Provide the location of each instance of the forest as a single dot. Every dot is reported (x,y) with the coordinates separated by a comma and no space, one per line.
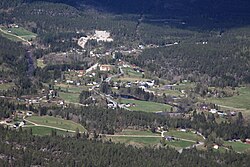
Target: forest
(22,149)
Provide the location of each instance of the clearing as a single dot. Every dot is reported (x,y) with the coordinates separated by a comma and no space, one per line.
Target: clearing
(56,123)
(184,135)
(136,137)
(240,102)
(238,146)
(45,131)
(146,106)
(6,86)
(70,97)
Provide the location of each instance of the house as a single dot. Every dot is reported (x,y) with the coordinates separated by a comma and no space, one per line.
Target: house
(216,147)
(8,120)
(233,113)
(29,114)
(213,111)
(105,67)
(248,141)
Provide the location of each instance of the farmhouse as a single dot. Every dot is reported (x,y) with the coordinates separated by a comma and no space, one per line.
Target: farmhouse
(213,111)
(105,67)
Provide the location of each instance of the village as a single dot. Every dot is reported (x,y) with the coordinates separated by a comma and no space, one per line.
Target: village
(113,82)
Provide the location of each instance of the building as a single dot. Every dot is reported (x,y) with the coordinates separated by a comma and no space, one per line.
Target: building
(105,67)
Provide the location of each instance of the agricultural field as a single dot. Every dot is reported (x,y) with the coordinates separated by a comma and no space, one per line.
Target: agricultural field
(70,88)
(185,86)
(146,106)
(132,73)
(45,131)
(137,141)
(17,34)
(21,32)
(6,86)
(69,97)
(10,36)
(240,102)
(129,79)
(136,137)
(238,146)
(179,144)
(40,63)
(167,92)
(56,122)
(138,132)
(184,135)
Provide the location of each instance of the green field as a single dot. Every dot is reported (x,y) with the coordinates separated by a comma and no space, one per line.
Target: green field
(6,86)
(10,36)
(168,92)
(44,131)
(71,88)
(14,34)
(70,97)
(132,73)
(138,132)
(184,86)
(146,106)
(238,146)
(56,122)
(21,32)
(184,135)
(240,102)
(40,63)
(138,141)
(179,144)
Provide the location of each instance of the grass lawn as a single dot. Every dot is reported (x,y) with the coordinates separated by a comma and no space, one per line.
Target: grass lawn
(71,88)
(22,33)
(129,79)
(241,101)
(6,86)
(138,141)
(132,73)
(40,63)
(184,135)
(146,106)
(10,36)
(138,132)
(168,92)
(183,86)
(70,97)
(180,144)
(56,122)
(238,146)
(44,131)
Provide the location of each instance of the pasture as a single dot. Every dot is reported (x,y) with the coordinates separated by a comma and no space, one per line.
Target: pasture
(146,106)
(55,122)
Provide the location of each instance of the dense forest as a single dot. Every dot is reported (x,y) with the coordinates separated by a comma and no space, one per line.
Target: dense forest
(219,63)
